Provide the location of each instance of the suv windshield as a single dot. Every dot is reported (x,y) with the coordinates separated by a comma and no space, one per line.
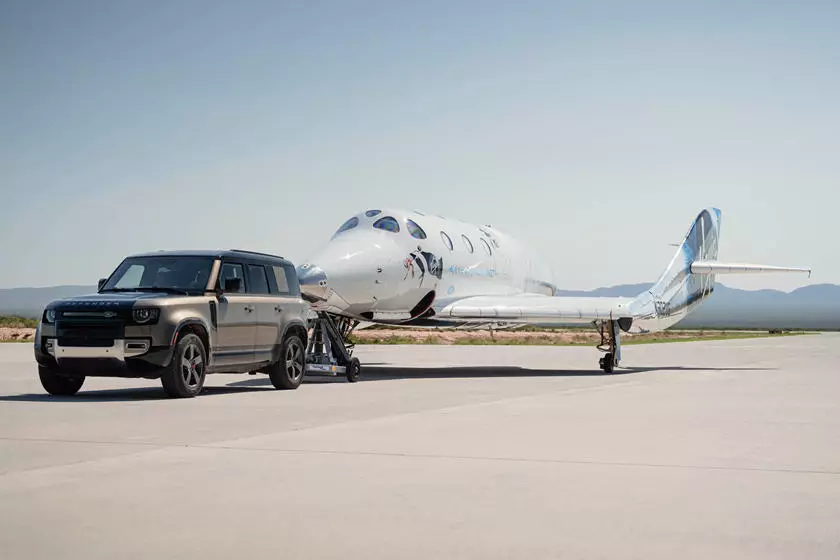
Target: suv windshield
(165,273)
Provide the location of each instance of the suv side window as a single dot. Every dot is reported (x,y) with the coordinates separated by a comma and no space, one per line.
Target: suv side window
(280,278)
(292,280)
(286,281)
(257,281)
(232,270)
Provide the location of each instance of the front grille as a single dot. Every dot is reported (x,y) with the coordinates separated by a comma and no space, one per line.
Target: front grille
(88,333)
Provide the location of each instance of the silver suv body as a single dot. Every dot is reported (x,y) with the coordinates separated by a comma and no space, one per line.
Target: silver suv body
(178,316)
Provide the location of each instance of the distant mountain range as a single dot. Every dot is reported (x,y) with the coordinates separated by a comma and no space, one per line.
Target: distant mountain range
(809,307)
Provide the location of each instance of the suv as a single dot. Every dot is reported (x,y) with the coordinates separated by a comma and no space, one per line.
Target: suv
(177,316)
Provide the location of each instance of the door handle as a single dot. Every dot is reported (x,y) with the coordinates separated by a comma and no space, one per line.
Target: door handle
(278,309)
(249,308)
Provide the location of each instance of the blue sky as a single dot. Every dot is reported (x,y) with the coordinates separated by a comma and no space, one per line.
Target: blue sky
(593,132)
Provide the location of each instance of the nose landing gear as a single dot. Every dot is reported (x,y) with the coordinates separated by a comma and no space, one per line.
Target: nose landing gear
(610,344)
(328,352)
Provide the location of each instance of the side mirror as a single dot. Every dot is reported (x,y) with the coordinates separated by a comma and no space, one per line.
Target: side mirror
(232,284)
(101,284)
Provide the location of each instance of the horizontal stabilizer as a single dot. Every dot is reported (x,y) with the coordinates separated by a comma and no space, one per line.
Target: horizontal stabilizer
(715,267)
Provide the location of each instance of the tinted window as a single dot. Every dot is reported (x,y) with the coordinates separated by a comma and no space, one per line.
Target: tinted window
(166,271)
(415,230)
(257,281)
(349,224)
(388,224)
(486,247)
(446,240)
(232,270)
(372,213)
(467,243)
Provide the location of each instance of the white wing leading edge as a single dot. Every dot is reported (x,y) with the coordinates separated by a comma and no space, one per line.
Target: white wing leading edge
(536,309)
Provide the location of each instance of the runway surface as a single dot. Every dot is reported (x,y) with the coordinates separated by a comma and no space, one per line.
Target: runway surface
(700,450)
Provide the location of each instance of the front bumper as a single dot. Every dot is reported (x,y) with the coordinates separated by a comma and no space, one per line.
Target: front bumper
(125,358)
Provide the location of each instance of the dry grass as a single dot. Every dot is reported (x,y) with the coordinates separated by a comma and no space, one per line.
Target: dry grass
(534,337)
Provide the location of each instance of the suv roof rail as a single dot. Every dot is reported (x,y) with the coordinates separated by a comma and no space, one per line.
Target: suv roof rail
(257,253)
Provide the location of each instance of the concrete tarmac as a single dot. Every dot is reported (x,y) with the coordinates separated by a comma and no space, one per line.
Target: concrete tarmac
(705,450)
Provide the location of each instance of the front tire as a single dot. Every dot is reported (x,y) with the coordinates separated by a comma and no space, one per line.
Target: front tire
(287,372)
(354,370)
(185,374)
(56,384)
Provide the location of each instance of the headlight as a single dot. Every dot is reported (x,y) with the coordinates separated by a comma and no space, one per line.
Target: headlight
(49,316)
(145,315)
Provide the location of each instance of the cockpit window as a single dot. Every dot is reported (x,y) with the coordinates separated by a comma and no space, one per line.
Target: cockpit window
(415,230)
(372,213)
(349,224)
(388,224)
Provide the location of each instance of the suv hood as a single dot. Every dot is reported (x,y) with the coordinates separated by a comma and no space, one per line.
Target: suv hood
(109,300)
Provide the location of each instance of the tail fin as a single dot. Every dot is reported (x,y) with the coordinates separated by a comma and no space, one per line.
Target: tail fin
(690,276)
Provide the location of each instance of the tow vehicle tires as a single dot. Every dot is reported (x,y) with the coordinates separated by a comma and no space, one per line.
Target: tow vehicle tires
(56,384)
(287,372)
(607,363)
(184,377)
(354,370)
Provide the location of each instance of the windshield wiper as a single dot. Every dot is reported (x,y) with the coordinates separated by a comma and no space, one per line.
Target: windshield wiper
(118,290)
(165,289)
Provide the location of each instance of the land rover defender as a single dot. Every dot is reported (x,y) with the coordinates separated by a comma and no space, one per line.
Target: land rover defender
(178,316)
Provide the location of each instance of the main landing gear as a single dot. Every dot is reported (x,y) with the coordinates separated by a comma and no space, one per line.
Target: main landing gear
(610,344)
(328,352)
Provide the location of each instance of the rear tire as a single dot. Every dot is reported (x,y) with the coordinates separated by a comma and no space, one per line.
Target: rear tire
(56,384)
(354,370)
(287,372)
(185,374)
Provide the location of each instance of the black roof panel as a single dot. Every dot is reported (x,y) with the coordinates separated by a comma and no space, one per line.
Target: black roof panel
(217,253)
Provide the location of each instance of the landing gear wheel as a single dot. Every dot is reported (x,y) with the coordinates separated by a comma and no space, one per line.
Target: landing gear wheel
(57,384)
(184,376)
(354,370)
(287,372)
(606,363)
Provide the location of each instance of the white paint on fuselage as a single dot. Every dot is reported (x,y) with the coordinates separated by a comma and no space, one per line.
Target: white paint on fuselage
(370,270)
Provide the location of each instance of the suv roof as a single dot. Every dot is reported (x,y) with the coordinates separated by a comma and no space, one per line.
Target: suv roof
(219,253)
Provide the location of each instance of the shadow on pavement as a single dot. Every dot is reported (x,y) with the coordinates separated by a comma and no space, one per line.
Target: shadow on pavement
(369,373)
(385,373)
(121,395)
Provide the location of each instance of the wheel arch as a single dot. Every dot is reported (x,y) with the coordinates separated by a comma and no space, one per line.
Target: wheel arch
(295,327)
(194,326)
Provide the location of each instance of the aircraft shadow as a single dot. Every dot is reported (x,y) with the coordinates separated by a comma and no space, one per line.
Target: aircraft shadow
(388,373)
